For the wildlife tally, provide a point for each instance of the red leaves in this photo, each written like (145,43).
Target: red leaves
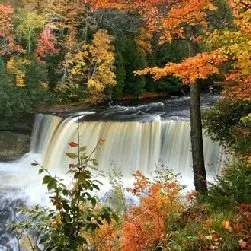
(73,144)
(7,44)
(6,16)
(238,227)
(47,44)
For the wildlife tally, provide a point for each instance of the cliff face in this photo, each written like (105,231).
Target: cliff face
(13,145)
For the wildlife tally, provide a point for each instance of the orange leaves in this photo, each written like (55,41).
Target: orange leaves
(102,4)
(238,86)
(107,237)
(141,182)
(166,16)
(144,225)
(182,14)
(242,12)
(191,69)
(238,227)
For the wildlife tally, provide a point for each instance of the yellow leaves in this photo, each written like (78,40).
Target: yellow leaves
(29,23)
(211,7)
(236,46)
(44,85)
(56,222)
(94,64)
(10,64)
(14,66)
(226,225)
(20,78)
(95,85)
(249,161)
(143,41)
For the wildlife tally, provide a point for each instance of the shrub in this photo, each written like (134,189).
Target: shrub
(227,123)
(233,187)
(74,212)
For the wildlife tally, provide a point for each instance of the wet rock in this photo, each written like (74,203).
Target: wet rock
(8,209)
(13,145)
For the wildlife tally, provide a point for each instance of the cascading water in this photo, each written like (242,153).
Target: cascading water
(129,145)
(136,137)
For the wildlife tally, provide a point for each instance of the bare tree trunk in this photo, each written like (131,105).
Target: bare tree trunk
(197,140)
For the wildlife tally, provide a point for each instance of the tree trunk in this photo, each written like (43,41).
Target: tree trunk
(197,140)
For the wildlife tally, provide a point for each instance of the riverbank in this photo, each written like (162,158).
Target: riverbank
(84,105)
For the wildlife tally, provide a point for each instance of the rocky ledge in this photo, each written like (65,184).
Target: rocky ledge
(13,145)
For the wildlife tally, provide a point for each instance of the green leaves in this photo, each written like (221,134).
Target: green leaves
(50,182)
(74,207)
(82,148)
(72,155)
(47,179)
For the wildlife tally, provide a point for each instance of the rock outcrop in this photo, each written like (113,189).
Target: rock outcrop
(13,145)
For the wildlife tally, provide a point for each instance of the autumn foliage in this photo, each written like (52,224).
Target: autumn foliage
(191,69)
(7,37)
(164,217)
(46,44)
(144,225)
(92,66)
(178,20)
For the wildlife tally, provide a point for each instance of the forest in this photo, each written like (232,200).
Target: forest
(75,55)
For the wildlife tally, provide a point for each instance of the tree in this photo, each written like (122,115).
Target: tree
(179,20)
(7,37)
(93,65)
(46,44)
(128,45)
(235,46)
(29,27)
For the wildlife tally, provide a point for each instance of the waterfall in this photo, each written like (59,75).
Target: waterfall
(129,145)
(136,138)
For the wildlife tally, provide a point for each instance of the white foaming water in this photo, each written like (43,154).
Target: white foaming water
(23,178)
